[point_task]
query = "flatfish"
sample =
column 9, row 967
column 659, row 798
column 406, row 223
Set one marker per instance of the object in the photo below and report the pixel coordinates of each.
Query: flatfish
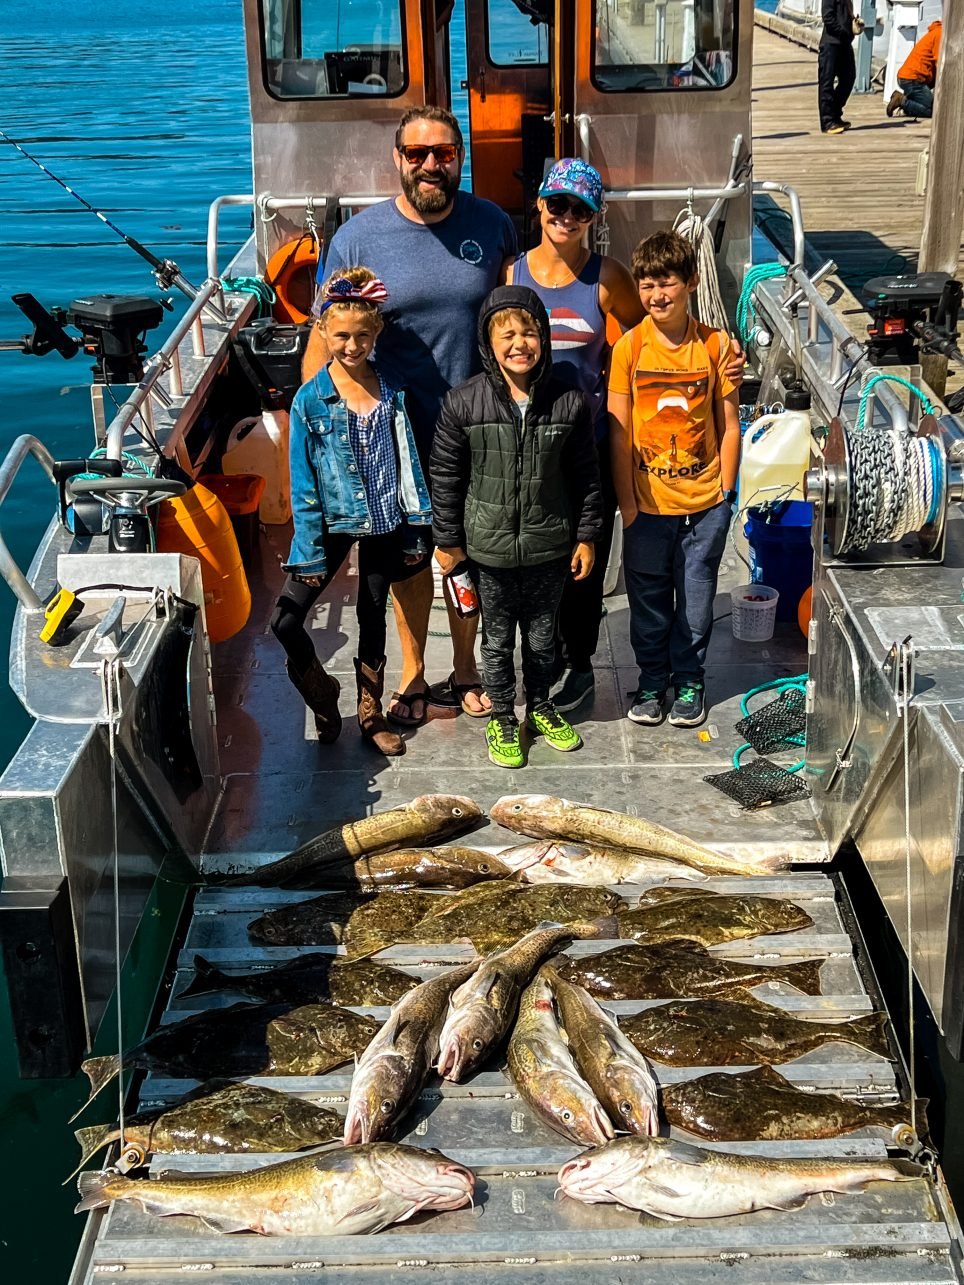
column 307, row 979
column 708, row 917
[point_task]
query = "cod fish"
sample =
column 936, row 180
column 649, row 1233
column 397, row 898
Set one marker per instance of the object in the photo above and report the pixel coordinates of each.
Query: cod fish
column 617, row 1073
column 581, row 863
column 428, row 817
column 709, row 917
column 347, row 1191
column 680, row 970
column 220, row 1117
column 452, row 867
column 482, row 1009
column 245, row 1039
column 503, row 913
column 760, row 1105
column 546, row 817
column 741, row 1031
column 390, row 1073
column 673, row 1180
column 307, row 979
column 545, row 1074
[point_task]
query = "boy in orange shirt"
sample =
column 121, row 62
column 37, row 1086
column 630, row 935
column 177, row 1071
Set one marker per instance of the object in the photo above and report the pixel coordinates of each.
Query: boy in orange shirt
column 675, row 440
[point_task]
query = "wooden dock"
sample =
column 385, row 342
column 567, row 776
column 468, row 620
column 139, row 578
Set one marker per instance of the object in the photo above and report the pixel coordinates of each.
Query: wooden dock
column 858, row 190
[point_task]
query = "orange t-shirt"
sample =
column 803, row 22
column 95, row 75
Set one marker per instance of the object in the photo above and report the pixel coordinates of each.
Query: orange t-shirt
column 921, row 63
column 675, row 393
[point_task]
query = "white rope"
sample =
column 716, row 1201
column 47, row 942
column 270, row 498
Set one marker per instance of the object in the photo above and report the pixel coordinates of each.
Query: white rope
column 709, row 302
column 110, row 682
column 893, row 485
column 911, row 1039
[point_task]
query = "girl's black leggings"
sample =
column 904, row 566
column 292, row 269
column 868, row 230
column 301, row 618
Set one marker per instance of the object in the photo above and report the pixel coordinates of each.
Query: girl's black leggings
column 381, row 560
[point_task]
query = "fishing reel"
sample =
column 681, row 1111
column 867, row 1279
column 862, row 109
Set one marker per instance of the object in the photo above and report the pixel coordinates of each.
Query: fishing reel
column 112, row 329
column 913, row 313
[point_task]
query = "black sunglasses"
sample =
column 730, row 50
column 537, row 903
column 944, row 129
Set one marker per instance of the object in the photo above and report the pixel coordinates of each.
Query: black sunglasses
column 417, row 153
column 559, row 205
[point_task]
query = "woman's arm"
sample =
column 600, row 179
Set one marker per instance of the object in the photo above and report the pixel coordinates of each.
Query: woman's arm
column 618, row 296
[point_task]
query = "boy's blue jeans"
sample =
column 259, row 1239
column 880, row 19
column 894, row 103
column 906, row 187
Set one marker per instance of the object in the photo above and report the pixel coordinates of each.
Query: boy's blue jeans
column 671, row 565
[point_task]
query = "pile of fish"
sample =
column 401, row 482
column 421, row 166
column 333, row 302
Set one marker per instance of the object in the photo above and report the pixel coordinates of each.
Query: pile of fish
column 584, row 1073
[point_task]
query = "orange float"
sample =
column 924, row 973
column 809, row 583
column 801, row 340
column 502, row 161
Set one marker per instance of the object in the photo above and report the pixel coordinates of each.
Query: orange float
column 291, row 272
column 804, row 610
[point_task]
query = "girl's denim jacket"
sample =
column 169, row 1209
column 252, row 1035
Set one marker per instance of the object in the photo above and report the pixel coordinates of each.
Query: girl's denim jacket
column 327, row 491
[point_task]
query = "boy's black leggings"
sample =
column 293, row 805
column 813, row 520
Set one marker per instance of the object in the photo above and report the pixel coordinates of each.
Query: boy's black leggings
column 381, row 561
column 527, row 597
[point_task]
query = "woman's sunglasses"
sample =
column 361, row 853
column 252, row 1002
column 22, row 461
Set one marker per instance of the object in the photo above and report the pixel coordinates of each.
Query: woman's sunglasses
column 417, row 153
column 560, row 205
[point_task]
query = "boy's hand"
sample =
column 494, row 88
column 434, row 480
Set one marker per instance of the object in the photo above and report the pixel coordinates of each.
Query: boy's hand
column 583, row 556
column 737, row 363
column 312, row 581
column 449, row 559
column 628, row 516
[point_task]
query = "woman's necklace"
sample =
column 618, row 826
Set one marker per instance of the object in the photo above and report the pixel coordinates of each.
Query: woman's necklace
column 553, row 277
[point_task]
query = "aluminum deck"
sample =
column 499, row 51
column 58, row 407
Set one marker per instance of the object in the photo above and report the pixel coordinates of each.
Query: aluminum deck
column 281, row 788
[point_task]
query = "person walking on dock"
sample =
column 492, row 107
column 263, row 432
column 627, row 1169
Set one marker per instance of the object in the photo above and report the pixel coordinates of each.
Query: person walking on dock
column 917, row 76
column 836, row 65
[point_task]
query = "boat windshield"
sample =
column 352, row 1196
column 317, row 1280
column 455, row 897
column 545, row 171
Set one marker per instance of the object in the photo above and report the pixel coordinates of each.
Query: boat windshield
column 333, row 48
column 669, row 44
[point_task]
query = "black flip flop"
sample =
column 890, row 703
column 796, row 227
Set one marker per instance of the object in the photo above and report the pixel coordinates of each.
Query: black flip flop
column 408, row 698
column 451, row 695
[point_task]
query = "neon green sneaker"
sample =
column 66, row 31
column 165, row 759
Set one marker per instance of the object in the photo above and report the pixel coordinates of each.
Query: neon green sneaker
column 503, row 737
column 549, row 723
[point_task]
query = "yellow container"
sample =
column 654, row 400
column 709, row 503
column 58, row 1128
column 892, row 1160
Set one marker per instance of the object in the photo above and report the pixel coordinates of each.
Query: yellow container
column 197, row 524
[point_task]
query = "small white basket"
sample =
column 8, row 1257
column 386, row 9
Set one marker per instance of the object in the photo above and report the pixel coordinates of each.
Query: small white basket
column 754, row 612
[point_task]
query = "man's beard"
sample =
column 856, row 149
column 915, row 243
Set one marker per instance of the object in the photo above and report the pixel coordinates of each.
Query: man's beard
column 433, row 200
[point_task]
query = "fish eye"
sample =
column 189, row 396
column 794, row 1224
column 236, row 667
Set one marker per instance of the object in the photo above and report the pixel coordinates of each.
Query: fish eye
column 478, row 1045
column 517, row 807
column 484, row 868
column 566, row 1116
column 456, row 812
column 387, row 1107
column 626, row 1108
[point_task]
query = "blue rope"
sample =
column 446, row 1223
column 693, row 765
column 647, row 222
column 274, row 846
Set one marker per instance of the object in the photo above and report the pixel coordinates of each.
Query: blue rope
column 745, row 311
column 928, row 406
column 264, row 293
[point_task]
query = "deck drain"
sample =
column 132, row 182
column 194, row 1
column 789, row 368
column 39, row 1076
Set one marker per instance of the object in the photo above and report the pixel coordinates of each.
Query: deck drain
column 518, row 1200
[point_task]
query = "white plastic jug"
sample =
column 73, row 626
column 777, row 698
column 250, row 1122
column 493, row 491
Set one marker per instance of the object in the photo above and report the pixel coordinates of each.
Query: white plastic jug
column 259, row 444
column 775, row 456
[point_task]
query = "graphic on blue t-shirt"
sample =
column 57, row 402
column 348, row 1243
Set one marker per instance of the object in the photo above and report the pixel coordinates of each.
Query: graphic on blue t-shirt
column 568, row 329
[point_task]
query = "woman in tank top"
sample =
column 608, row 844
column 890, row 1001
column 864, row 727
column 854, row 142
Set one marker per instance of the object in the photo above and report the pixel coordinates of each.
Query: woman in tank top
column 580, row 290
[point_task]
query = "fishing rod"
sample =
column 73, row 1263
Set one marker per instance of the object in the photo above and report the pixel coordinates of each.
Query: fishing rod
column 166, row 271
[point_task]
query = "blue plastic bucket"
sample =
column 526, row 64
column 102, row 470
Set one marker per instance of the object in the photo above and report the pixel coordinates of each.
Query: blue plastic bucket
column 780, row 551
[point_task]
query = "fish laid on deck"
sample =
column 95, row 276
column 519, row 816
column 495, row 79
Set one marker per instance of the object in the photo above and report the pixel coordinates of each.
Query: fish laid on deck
column 245, row 1039
column 673, row 1180
column 546, row 817
column 742, row 1031
column 318, row 921
column 551, row 862
column 545, row 1074
column 762, row 1105
column 423, row 820
column 493, row 915
column 390, row 1073
column 615, row 1070
column 345, row 1191
column 307, row 979
column 387, row 918
column 220, row 1118
column 709, row 918
column 452, row 867
column 482, row 1010
column 680, row 970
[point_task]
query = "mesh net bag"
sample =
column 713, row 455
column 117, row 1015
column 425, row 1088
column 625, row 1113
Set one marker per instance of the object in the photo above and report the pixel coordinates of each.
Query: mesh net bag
column 769, row 727
column 760, row 784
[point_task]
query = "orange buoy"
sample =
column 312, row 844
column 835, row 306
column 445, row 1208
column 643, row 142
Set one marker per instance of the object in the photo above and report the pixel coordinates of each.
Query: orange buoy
column 291, row 272
column 804, row 610
column 197, row 524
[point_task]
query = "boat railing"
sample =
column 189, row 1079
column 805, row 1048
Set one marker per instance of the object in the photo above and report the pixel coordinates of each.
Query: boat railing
column 26, row 444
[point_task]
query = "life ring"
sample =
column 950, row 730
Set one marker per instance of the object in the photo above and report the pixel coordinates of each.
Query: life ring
column 292, row 272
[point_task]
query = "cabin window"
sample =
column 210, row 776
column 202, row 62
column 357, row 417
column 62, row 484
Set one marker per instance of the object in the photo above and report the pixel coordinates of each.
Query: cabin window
column 513, row 38
column 642, row 45
column 334, row 48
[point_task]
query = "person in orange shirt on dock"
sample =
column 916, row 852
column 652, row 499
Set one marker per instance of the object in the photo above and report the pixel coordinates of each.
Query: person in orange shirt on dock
column 917, row 76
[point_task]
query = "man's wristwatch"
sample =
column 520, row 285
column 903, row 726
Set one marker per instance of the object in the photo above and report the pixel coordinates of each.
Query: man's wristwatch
column 730, row 497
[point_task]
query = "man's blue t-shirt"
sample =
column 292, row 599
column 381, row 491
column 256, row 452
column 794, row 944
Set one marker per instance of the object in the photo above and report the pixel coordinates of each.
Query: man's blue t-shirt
column 437, row 276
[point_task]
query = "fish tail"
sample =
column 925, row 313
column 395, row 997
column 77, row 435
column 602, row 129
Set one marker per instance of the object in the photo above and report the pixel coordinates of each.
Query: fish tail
column 206, row 978
column 99, row 1071
column 91, row 1140
column 97, row 1190
column 804, row 975
column 870, row 1033
column 892, row 1117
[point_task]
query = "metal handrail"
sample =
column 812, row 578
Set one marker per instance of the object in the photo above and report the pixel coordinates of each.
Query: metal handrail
column 166, row 358
column 796, row 217
column 688, row 194
column 26, row 444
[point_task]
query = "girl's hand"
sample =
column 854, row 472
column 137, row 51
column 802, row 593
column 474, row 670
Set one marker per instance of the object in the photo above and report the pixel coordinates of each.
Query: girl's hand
column 583, row 556
column 313, row 581
column 449, row 559
column 628, row 516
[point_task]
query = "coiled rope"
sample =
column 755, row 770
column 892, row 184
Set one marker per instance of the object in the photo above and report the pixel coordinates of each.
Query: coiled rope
column 709, row 302
column 745, row 311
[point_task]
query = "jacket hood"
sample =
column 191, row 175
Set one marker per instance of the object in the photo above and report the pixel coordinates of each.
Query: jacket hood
column 527, row 300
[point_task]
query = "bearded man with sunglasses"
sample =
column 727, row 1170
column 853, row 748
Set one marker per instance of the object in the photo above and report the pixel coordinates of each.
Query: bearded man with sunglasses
column 439, row 251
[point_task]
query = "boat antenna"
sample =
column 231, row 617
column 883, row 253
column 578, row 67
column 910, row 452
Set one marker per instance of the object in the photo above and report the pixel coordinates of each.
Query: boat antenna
column 166, row 271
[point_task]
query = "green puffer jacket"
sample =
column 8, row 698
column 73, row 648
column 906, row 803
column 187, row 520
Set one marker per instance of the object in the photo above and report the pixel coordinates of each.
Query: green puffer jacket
column 510, row 494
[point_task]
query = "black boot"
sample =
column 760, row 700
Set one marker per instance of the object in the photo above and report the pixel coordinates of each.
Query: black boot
column 373, row 723
column 320, row 693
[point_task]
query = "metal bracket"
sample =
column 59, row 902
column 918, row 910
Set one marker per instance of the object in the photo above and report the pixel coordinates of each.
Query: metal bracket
column 901, row 659
column 109, row 634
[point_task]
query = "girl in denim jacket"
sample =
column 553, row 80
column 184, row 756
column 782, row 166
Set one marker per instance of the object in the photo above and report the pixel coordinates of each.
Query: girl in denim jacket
column 355, row 477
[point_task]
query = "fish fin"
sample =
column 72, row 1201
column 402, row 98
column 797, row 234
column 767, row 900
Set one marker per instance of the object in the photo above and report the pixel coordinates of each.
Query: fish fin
column 206, row 978
column 91, row 1140
column 364, row 1208
column 870, row 1033
column 797, row 1202
column 684, row 1153
column 93, row 1186
column 99, row 1071
column 908, row 1168
column 212, row 1221
column 661, row 1189
column 804, row 975
column 766, row 1074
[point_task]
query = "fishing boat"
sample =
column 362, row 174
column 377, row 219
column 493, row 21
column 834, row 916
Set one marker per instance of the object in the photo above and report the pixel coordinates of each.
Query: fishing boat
column 167, row 736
